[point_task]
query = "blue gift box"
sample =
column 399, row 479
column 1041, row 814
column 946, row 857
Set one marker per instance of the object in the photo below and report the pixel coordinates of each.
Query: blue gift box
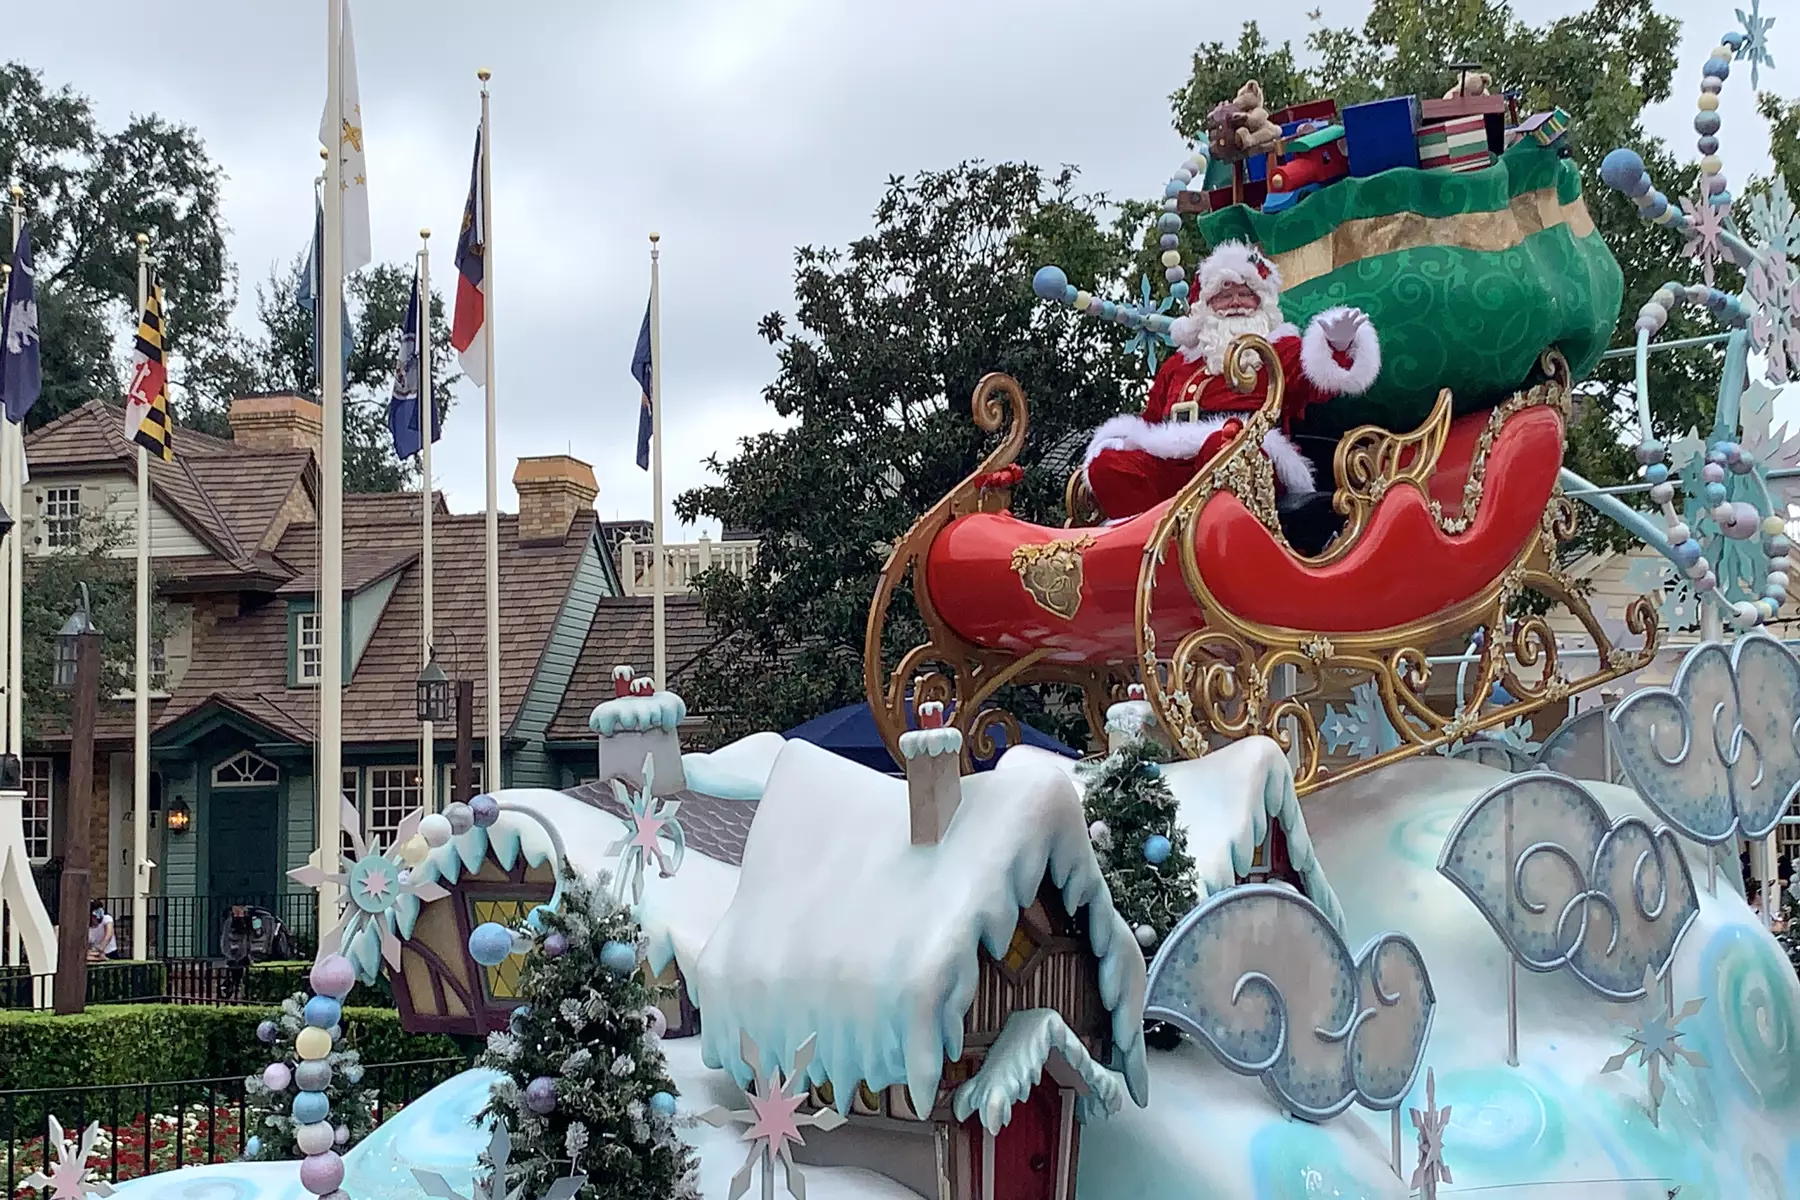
column 1382, row 135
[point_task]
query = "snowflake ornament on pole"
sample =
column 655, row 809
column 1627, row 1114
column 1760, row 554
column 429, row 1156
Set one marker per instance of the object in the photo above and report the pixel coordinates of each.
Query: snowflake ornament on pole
column 499, row 1152
column 1657, row 1040
column 652, row 819
column 773, row 1120
column 70, row 1179
column 376, row 884
column 1431, row 1124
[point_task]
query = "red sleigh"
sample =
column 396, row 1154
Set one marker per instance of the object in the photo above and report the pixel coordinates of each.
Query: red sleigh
column 1229, row 629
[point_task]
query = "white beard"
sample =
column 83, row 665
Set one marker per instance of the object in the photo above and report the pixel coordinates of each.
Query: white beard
column 1212, row 333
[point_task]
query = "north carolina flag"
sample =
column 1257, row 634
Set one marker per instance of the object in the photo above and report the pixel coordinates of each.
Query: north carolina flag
column 147, row 398
column 471, row 297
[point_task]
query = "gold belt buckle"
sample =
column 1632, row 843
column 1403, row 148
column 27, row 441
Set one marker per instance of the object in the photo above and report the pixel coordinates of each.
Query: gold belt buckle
column 1185, row 413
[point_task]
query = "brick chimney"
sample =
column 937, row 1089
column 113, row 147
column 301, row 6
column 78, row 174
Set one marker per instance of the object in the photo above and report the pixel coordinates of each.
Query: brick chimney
column 553, row 490
column 640, row 722
column 933, row 754
column 276, row 421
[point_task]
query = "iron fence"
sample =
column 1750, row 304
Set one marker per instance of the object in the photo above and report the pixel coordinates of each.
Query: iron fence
column 152, row 1127
column 190, row 926
column 177, row 981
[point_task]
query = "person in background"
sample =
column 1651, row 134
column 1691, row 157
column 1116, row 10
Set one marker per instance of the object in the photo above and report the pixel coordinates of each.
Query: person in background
column 102, row 942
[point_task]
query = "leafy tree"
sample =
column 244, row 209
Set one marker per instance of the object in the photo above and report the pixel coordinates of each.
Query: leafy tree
column 889, row 339
column 88, row 193
column 1783, row 117
column 102, row 560
column 280, row 357
column 583, row 1042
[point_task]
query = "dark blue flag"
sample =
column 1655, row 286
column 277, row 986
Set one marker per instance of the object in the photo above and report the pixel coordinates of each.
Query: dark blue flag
column 308, row 298
column 403, row 406
column 640, row 371
column 21, row 373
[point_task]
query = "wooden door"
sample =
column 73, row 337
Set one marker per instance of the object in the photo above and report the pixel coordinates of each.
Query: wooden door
column 1025, row 1151
column 243, row 844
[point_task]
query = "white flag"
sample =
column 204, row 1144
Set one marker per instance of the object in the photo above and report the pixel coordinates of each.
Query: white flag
column 344, row 130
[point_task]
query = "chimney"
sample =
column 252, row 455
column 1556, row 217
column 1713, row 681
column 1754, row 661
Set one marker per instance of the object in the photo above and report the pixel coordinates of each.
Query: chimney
column 553, row 490
column 640, row 723
column 1132, row 720
column 276, row 421
column 933, row 754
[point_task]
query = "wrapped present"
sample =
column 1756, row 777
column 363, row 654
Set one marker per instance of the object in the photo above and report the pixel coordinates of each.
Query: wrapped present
column 1455, row 144
column 1545, row 128
column 1381, row 135
column 1491, row 109
column 1322, row 112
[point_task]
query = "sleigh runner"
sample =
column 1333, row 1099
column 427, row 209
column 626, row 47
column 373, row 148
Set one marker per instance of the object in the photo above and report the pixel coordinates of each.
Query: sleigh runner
column 1204, row 602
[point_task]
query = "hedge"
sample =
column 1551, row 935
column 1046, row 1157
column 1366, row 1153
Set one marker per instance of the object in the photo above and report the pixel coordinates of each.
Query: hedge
column 134, row 1043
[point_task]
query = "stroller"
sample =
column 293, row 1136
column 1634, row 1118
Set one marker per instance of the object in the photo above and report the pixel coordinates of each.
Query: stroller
column 250, row 935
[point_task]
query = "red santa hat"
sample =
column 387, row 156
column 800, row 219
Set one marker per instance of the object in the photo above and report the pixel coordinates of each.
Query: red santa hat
column 1238, row 262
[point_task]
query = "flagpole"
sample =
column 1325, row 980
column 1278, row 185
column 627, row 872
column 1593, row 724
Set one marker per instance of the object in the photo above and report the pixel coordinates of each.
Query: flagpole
column 427, row 426
column 491, row 767
column 15, row 503
column 659, row 654
column 331, row 484
column 12, row 446
column 140, row 744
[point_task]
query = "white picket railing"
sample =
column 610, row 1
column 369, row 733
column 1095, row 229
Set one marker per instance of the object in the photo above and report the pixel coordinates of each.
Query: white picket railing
column 682, row 561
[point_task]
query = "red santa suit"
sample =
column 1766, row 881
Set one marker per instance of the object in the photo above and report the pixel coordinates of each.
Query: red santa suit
column 1135, row 463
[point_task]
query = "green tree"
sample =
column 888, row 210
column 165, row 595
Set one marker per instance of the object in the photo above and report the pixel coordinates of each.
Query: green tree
column 1141, row 847
column 583, row 1038
column 890, row 337
column 88, row 192
column 100, row 559
column 280, row 357
column 269, row 1122
column 1783, row 117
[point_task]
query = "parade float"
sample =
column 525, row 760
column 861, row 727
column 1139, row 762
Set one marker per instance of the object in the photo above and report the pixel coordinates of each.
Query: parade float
column 1400, row 969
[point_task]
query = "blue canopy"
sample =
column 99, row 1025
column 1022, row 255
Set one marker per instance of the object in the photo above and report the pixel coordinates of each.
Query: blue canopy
column 850, row 732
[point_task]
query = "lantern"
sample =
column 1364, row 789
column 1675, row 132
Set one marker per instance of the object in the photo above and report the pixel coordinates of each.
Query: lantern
column 433, row 693
column 68, row 643
column 179, row 817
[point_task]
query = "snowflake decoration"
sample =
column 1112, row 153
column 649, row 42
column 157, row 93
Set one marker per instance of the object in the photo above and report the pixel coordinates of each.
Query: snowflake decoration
column 1431, row 1124
column 499, row 1153
column 1773, row 222
column 1773, row 447
column 1703, row 229
column 1775, row 326
column 652, row 819
column 1679, row 607
column 774, row 1118
column 1657, row 1040
column 1755, row 49
column 1363, row 728
column 69, row 1179
column 1144, row 341
column 378, row 886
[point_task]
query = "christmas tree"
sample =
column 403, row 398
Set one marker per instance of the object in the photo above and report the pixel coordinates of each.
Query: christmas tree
column 586, row 1088
column 270, row 1096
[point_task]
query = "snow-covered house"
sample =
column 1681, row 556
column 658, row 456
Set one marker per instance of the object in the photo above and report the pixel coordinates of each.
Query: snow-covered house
column 950, row 942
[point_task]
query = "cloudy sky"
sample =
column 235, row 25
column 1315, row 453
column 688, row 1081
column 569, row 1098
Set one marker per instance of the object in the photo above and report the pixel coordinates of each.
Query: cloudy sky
column 738, row 129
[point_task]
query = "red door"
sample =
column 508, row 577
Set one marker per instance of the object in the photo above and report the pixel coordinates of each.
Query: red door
column 1025, row 1152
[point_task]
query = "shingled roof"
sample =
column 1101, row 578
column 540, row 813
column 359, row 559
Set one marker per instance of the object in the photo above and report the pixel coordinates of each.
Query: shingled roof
column 243, row 660
column 231, row 497
column 713, row 827
column 622, row 634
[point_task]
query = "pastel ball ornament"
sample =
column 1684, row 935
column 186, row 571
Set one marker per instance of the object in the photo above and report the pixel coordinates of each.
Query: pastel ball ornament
column 435, row 829
column 485, row 810
column 460, row 817
column 555, row 945
column 333, row 976
column 540, row 1095
column 655, row 1024
column 1157, row 849
column 276, row 1077
column 321, row 1174
column 313, row 1076
column 312, row 1044
column 619, row 957
column 267, row 1032
column 322, row 1012
column 310, row 1107
column 316, row 1138
column 490, row 944
column 1049, row 282
column 253, row 1147
column 662, row 1104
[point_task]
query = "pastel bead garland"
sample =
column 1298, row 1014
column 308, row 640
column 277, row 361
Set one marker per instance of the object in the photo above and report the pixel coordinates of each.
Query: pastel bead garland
column 322, row 1170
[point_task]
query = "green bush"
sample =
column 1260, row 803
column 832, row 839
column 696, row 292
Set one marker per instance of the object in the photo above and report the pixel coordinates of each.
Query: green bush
column 136, row 1043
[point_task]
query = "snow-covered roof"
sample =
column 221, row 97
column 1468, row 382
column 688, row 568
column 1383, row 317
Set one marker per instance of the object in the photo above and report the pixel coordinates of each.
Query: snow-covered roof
column 1225, row 803
column 677, row 914
column 844, row 929
column 1016, row 1062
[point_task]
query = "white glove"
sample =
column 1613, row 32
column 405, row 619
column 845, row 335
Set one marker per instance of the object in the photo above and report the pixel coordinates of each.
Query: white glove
column 1341, row 327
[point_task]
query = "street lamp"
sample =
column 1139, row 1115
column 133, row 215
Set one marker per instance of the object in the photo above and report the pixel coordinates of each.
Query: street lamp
column 433, row 693
column 68, row 644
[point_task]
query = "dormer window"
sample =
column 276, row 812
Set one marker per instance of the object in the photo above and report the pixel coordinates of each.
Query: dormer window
column 62, row 518
column 308, row 648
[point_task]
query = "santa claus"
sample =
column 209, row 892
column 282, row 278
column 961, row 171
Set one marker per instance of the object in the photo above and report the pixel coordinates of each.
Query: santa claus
column 1135, row 463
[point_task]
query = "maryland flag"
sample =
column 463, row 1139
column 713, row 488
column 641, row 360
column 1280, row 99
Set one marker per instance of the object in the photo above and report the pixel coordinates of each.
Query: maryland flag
column 147, row 399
